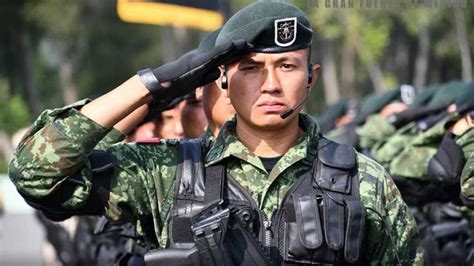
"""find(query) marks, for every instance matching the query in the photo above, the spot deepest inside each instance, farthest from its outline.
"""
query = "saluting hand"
(190, 71)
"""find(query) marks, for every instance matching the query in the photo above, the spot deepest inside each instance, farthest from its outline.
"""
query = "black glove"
(412, 114)
(446, 165)
(192, 70)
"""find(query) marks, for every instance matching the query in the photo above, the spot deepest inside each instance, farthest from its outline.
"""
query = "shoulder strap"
(215, 177)
(190, 171)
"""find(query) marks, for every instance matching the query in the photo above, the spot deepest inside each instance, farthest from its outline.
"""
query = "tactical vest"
(321, 219)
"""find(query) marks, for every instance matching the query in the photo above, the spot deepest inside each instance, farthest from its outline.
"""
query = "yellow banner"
(168, 14)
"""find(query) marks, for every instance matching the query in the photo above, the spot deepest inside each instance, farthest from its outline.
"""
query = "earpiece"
(310, 73)
(224, 82)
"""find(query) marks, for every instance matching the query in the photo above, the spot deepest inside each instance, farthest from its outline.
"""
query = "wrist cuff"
(149, 80)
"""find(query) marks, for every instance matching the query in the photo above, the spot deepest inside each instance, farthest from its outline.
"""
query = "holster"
(220, 239)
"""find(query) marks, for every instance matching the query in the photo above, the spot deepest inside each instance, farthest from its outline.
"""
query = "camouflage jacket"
(467, 182)
(141, 185)
(412, 161)
(375, 130)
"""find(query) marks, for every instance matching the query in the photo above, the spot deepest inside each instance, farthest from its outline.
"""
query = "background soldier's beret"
(327, 120)
(208, 42)
(465, 100)
(425, 95)
(376, 101)
(271, 27)
(447, 93)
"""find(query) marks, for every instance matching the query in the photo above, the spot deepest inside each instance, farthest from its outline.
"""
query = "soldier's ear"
(315, 71)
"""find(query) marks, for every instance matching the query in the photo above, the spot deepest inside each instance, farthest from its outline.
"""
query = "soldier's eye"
(249, 68)
(288, 66)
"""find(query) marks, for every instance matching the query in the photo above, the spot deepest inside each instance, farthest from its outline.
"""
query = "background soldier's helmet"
(271, 27)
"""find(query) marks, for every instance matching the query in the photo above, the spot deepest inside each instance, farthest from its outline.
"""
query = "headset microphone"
(290, 111)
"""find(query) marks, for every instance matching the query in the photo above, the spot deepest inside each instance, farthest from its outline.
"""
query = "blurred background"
(55, 52)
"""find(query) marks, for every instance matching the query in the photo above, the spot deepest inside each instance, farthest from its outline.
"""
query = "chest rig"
(321, 219)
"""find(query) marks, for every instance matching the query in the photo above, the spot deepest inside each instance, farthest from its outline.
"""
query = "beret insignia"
(285, 31)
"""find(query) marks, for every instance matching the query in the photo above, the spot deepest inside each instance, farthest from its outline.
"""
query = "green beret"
(335, 110)
(466, 97)
(271, 27)
(447, 94)
(327, 120)
(425, 95)
(208, 42)
(376, 101)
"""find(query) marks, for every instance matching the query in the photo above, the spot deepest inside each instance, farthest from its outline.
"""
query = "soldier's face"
(170, 126)
(193, 119)
(263, 85)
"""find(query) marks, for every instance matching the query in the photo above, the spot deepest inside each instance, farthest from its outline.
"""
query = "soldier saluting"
(269, 190)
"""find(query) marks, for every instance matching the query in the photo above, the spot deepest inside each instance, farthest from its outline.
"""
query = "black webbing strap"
(215, 177)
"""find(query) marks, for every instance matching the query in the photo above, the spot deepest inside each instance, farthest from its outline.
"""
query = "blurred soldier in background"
(217, 106)
(193, 118)
(165, 124)
(337, 115)
(386, 103)
(424, 146)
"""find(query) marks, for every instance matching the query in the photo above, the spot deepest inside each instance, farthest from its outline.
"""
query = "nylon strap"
(215, 175)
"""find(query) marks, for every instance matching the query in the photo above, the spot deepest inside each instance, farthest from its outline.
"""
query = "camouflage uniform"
(467, 182)
(82, 246)
(141, 188)
(375, 130)
(413, 160)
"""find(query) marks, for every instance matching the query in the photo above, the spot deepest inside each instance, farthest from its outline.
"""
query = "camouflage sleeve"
(384, 151)
(466, 142)
(392, 233)
(54, 148)
(467, 182)
(375, 130)
(52, 168)
(413, 160)
(114, 136)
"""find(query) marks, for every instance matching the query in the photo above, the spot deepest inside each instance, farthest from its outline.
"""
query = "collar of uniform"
(311, 128)
(228, 144)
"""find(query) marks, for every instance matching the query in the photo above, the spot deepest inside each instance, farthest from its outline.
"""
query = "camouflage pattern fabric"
(467, 179)
(385, 150)
(413, 161)
(466, 142)
(375, 130)
(142, 182)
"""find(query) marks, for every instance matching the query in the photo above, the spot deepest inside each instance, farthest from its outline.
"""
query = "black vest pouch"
(336, 162)
(355, 230)
(305, 234)
(334, 220)
(308, 221)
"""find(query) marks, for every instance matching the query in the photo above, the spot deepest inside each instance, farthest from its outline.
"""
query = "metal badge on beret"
(285, 31)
